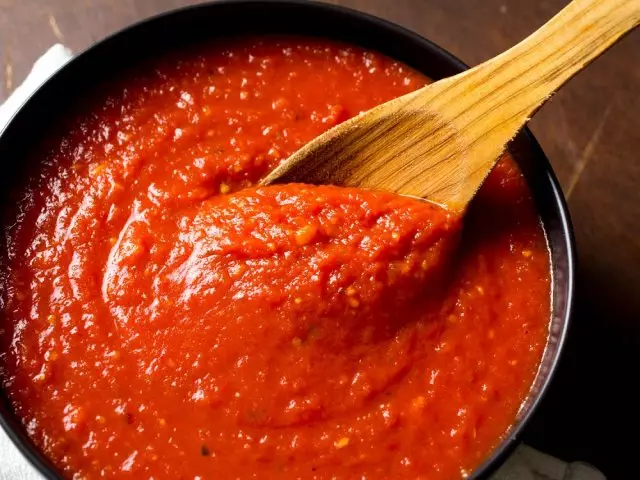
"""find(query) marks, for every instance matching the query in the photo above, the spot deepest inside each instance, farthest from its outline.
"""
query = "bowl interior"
(232, 18)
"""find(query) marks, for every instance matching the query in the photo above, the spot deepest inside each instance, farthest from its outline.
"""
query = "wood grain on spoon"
(440, 142)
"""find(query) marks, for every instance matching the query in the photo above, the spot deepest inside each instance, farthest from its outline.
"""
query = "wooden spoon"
(441, 142)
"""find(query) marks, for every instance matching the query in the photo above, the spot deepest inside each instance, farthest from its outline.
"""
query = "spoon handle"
(492, 101)
(525, 76)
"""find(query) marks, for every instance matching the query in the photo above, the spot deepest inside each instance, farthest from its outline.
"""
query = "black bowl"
(231, 18)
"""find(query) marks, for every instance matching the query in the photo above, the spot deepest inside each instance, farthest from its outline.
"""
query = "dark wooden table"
(591, 133)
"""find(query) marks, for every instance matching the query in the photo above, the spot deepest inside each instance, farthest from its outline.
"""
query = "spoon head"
(412, 146)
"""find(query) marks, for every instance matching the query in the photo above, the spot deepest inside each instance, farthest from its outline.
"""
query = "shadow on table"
(592, 410)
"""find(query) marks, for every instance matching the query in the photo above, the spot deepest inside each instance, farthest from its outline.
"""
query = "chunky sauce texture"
(163, 318)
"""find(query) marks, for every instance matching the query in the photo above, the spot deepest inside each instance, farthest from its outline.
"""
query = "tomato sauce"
(164, 318)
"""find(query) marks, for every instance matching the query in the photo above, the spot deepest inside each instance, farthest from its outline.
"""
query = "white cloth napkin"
(525, 464)
(44, 67)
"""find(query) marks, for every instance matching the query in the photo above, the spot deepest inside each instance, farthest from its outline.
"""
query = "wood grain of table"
(589, 131)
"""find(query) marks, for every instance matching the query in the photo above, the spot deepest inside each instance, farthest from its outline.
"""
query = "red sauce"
(164, 319)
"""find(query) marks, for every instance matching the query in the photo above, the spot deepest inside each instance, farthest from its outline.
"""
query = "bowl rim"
(510, 439)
